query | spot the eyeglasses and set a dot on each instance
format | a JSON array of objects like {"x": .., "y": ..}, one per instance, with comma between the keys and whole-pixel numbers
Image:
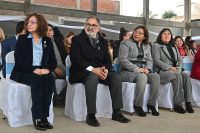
[
  {"x": 137, "y": 32},
  {"x": 32, "y": 22},
  {"x": 93, "y": 26}
]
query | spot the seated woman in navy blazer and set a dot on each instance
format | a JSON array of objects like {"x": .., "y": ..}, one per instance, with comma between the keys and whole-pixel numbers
[{"x": 34, "y": 62}]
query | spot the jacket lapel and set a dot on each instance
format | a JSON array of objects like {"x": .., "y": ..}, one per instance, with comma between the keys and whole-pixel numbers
[
  {"x": 44, "y": 47},
  {"x": 165, "y": 51},
  {"x": 30, "y": 48}
]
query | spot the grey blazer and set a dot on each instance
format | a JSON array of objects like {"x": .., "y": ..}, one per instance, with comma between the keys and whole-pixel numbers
[
  {"x": 129, "y": 51},
  {"x": 162, "y": 59}
]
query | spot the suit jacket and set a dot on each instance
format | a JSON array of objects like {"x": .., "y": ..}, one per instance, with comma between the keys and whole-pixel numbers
[
  {"x": 162, "y": 59},
  {"x": 24, "y": 57},
  {"x": 195, "y": 73},
  {"x": 128, "y": 51},
  {"x": 83, "y": 55},
  {"x": 8, "y": 45}
]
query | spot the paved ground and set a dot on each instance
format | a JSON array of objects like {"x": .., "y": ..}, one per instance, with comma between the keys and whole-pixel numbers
[{"x": 167, "y": 122}]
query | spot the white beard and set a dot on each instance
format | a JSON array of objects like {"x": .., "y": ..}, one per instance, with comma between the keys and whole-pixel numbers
[{"x": 91, "y": 34}]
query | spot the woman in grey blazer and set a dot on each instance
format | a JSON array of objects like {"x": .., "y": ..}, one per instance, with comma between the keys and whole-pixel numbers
[
  {"x": 136, "y": 66},
  {"x": 168, "y": 63}
]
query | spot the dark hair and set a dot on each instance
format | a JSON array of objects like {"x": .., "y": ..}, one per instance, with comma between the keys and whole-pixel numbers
[
  {"x": 103, "y": 35},
  {"x": 93, "y": 17},
  {"x": 50, "y": 25},
  {"x": 159, "y": 38},
  {"x": 123, "y": 33},
  {"x": 176, "y": 37},
  {"x": 189, "y": 41},
  {"x": 57, "y": 33},
  {"x": 42, "y": 25},
  {"x": 19, "y": 27},
  {"x": 146, "y": 33}
]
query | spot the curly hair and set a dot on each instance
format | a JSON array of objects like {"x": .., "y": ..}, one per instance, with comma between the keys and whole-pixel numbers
[{"x": 42, "y": 25}]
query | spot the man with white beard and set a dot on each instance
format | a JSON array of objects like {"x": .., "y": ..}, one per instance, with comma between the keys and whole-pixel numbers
[{"x": 91, "y": 65}]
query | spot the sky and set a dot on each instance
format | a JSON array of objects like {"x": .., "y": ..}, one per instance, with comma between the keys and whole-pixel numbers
[{"x": 135, "y": 7}]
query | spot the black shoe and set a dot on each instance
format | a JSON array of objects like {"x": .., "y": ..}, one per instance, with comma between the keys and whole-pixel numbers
[
  {"x": 39, "y": 125},
  {"x": 179, "y": 109},
  {"x": 92, "y": 121},
  {"x": 153, "y": 110},
  {"x": 47, "y": 124},
  {"x": 139, "y": 111},
  {"x": 189, "y": 108},
  {"x": 120, "y": 118}
]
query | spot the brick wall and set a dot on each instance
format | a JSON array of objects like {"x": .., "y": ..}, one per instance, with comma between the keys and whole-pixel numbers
[{"x": 104, "y": 6}]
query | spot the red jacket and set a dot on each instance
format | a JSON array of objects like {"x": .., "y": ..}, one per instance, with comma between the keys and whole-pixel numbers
[{"x": 195, "y": 73}]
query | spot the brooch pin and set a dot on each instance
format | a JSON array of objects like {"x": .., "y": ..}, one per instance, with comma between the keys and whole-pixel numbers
[
  {"x": 45, "y": 45},
  {"x": 97, "y": 41}
]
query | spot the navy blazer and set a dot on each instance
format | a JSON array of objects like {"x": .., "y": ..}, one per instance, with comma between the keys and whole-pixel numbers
[
  {"x": 83, "y": 54},
  {"x": 24, "y": 56},
  {"x": 8, "y": 45}
]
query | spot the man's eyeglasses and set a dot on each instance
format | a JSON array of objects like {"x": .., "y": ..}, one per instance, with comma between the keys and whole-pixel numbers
[
  {"x": 31, "y": 22},
  {"x": 91, "y": 25}
]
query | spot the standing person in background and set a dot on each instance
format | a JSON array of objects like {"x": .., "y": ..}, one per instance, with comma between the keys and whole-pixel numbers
[
  {"x": 9, "y": 44},
  {"x": 34, "y": 62},
  {"x": 2, "y": 37},
  {"x": 168, "y": 64},
  {"x": 123, "y": 35},
  {"x": 136, "y": 66},
  {"x": 91, "y": 65},
  {"x": 182, "y": 48},
  {"x": 192, "y": 46}
]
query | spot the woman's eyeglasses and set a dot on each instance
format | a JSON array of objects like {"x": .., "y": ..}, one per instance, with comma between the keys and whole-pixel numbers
[{"x": 31, "y": 22}]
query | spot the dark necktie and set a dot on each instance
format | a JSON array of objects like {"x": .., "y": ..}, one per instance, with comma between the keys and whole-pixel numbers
[{"x": 93, "y": 42}]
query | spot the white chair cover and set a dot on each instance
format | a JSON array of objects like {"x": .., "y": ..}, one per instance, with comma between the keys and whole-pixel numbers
[
  {"x": 60, "y": 84},
  {"x": 15, "y": 99},
  {"x": 195, "y": 92},
  {"x": 128, "y": 96},
  {"x": 75, "y": 105},
  {"x": 165, "y": 97}
]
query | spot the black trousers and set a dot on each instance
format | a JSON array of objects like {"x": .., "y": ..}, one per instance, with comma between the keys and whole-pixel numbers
[
  {"x": 114, "y": 82},
  {"x": 42, "y": 87}
]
